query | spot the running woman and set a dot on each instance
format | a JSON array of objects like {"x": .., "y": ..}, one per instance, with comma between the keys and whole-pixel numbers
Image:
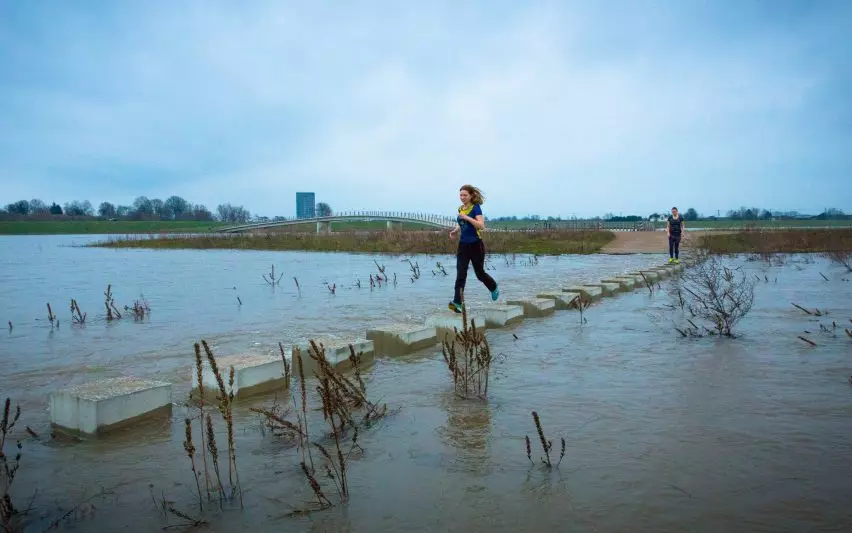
[
  {"x": 471, "y": 223},
  {"x": 674, "y": 229}
]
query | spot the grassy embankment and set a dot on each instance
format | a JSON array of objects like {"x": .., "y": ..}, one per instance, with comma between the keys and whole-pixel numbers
[
  {"x": 123, "y": 227},
  {"x": 764, "y": 241},
  {"x": 396, "y": 242}
]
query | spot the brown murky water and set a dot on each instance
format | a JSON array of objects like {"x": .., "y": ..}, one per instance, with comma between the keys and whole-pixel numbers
[{"x": 663, "y": 434}]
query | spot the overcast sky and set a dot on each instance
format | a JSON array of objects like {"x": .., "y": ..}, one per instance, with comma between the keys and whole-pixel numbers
[{"x": 554, "y": 108}]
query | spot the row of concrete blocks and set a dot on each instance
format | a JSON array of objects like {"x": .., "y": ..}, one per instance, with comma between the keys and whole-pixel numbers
[{"x": 103, "y": 406}]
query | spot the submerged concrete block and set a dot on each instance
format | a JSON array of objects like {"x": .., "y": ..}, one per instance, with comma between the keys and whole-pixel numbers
[
  {"x": 400, "y": 339},
  {"x": 562, "y": 300},
  {"x": 446, "y": 321},
  {"x": 650, "y": 275},
  {"x": 502, "y": 315},
  {"x": 637, "y": 281},
  {"x": 253, "y": 374},
  {"x": 591, "y": 293},
  {"x": 535, "y": 307},
  {"x": 100, "y": 406},
  {"x": 627, "y": 284},
  {"x": 336, "y": 351},
  {"x": 608, "y": 289}
]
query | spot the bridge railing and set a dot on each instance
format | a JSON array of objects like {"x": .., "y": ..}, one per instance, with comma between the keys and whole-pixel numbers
[{"x": 448, "y": 221}]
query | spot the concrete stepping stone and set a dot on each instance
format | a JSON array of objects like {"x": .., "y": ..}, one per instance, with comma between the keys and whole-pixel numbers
[
  {"x": 591, "y": 293},
  {"x": 636, "y": 279},
  {"x": 446, "y": 321},
  {"x": 651, "y": 275},
  {"x": 608, "y": 289},
  {"x": 336, "y": 351},
  {"x": 562, "y": 300},
  {"x": 502, "y": 315},
  {"x": 535, "y": 307},
  {"x": 627, "y": 284},
  {"x": 253, "y": 374},
  {"x": 101, "y": 406},
  {"x": 401, "y": 339}
]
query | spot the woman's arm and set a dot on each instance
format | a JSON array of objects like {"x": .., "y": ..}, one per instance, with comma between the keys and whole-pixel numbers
[{"x": 478, "y": 222}]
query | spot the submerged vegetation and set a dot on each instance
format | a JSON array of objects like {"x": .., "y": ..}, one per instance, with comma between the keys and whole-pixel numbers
[
  {"x": 716, "y": 293},
  {"x": 468, "y": 358},
  {"x": 394, "y": 242}
]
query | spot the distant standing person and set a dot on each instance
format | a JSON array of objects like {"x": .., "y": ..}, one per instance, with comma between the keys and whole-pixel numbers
[
  {"x": 471, "y": 249},
  {"x": 674, "y": 229}
]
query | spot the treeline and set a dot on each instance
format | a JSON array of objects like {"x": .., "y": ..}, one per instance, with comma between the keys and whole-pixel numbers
[
  {"x": 143, "y": 208},
  {"x": 743, "y": 213}
]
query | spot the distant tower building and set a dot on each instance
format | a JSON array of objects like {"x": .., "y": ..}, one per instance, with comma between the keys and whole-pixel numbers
[{"x": 305, "y": 205}]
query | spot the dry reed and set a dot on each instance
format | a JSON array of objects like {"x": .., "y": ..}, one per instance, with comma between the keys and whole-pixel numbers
[
  {"x": 812, "y": 343},
  {"x": 77, "y": 316},
  {"x": 190, "y": 452},
  {"x": 226, "y": 398},
  {"x": 214, "y": 455},
  {"x": 8, "y": 469},
  {"x": 403, "y": 243},
  {"x": 340, "y": 397},
  {"x": 109, "y": 304},
  {"x": 272, "y": 280},
  {"x": 468, "y": 358},
  {"x": 581, "y": 303},
  {"x": 200, "y": 377},
  {"x": 767, "y": 242},
  {"x": 140, "y": 308},
  {"x": 51, "y": 317},
  {"x": 546, "y": 444}
]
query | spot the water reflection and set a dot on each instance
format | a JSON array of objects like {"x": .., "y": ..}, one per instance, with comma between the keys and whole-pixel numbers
[{"x": 467, "y": 432}]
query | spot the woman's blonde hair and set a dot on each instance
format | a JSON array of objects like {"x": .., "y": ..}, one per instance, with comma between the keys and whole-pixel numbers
[{"x": 477, "y": 197}]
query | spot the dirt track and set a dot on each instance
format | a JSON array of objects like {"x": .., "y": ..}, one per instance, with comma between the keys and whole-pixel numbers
[{"x": 643, "y": 242}]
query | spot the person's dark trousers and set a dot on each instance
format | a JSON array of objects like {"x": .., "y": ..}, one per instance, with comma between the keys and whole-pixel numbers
[
  {"x": 471, "y": 253},
  {"x": 674, "y": 246}
]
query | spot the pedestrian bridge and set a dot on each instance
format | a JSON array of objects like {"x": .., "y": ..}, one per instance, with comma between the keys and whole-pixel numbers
[{"x": 394, "y": 219}]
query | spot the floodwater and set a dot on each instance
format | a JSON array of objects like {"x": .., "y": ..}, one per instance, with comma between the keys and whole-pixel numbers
[{"x": 663, "y": 433}]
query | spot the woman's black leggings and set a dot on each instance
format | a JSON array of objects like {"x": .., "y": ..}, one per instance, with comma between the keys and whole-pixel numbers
[
  {"x": 471, "y": 253},
  {"x": 674, "y": 246}
]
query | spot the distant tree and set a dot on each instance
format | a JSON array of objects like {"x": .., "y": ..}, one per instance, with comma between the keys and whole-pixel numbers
[
  {"x": 323, "y": 210},
  {"x": 123, "y": 211},
  {"x": 744, "y": 213},
  {"x": 79, "y": 209},
  {"x": 691, "y": 214},
  {"x": 233, "y": 214},
  {"x": 831, "y": 213},
  {"x": 106, "y": 210},
  {"x": 177, "y": 206},
  {"x": 200, "y": 212},
  {"x": 55, "y": 209},
  {"x": 21, "y": 207},
  {"x": 142, "y": 206},
  {"x": 157, "y": 207},
  {"x": 37, "y": 207},
  {"x": 765, "y": 215},
  {"x": 655, "y": 217}
]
